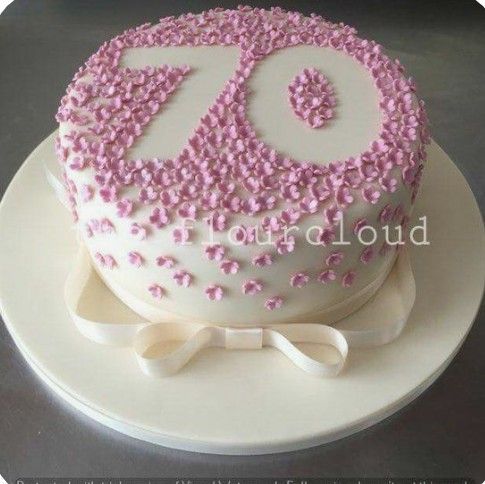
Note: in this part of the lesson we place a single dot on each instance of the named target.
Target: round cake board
(237, 402)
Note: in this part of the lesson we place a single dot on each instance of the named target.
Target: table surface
(442, 43)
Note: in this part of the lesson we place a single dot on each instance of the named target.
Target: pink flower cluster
(312, 97)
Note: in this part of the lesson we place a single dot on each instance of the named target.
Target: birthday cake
(242, 167)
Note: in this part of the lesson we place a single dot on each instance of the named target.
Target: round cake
(242, 167)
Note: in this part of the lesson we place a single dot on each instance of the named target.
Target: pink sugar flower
(135, 259)
(386, 214)
(359, 225)
(262, 260)
(271, 225)
(371, 195)
(124, 207)
(107, 261)
(148, 195)
(273, 303)
(159, 217)
(108, 193)
(348, 278)
(165, 261)
(215, 252)
(290, 216)
(138, 231)
(326, 236)
(344, 197)
(320, 192)
(217, 221)
(327, 276)
(187, 210)
(367, 255)
(334, 258)
(156, 291)
(285, 244)
(180, 235)
(214, 293)
(388, 184)
(251, 287)
(229, 266)
(299, 280)
(87, 193)
(332, 215)
(309, 205)
(105, 226)
(182, 278)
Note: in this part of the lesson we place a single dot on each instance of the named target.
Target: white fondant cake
(225, 167)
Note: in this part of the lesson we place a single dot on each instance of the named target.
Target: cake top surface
(243, 128)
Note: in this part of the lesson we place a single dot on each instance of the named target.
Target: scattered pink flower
(182, 278)
(135, 259)
(156, 291)
(328, 275)
(348, 278)
(229, 266)
(367, 255)
(334, 258)
(215, 252)
(299, 280)
(124, 207)
(165, 261)
(262, 260)
(159, 217)
(214, 293)
(273, 303)
(252, 287)
(138, 231)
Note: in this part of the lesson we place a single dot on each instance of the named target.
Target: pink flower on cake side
(124, 208)
(188, 210)
(138, 231)
(182, 278)
(285, 244)
(326, 236)
(108, 193)
(106, 226)
(214, 293)
(299, 280)
(180, 235)
(229, 266)
(135, 259)
(262, 260)
(367, 255)
(215, 252)
(386, 214)
(359, 225)
(159, 217)
(165, 261)
(107, 261)
(348, 278)
(334, 258)
(327, 276)
(273, 303)
(371, 195)
(251, 287)
(156, 291)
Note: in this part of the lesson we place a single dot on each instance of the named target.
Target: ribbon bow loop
(163, 349)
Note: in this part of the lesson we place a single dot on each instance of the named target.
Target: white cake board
(237, 402)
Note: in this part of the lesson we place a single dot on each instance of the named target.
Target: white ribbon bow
(178, 342)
